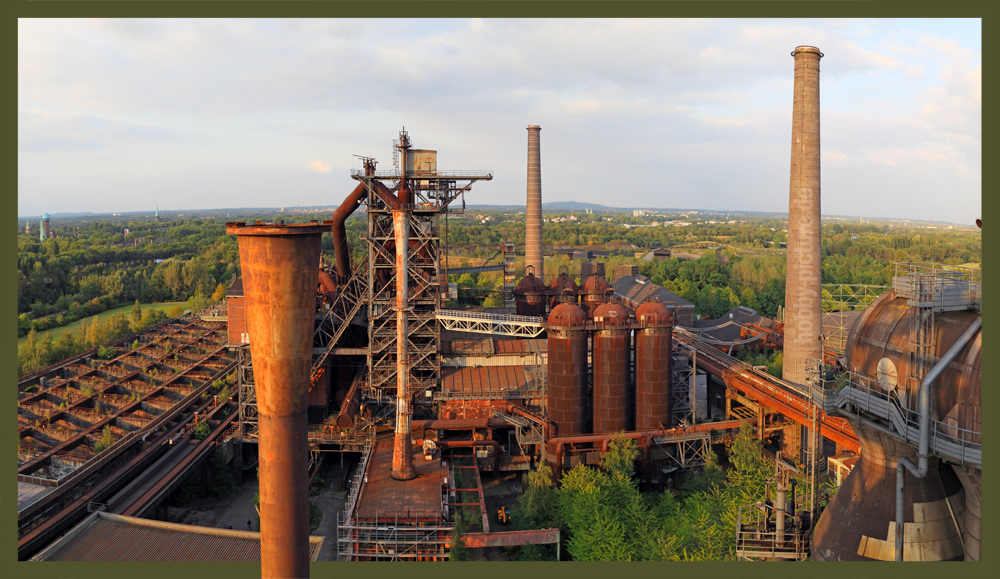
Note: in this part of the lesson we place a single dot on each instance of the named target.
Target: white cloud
(319, 166)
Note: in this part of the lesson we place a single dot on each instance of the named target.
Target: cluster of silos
(618, 403)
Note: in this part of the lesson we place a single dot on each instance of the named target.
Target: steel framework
(497, 324)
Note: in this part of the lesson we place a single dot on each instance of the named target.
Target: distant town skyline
(119, 115)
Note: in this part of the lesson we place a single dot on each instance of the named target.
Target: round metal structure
(611, 368)
(653, 345)
(562, 288)
(279, 264)
(529, 296)
(859, 522)
(566, 399)
(594, 293)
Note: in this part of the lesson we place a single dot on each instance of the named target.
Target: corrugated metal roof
(107, 537)
(521, 346)
(484, 379)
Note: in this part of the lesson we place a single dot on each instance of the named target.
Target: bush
(201, 431)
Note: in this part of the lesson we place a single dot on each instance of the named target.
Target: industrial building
(360, 357)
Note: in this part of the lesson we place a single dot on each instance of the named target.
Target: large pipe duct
(402, 452)
(341, 250)
(279, 264)
(803, 324)
(533, 235)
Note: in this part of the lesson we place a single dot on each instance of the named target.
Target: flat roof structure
(107, 537)
(386, 498)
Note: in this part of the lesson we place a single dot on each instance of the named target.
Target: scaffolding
(842, 303)
(247, 393)
(433, 192)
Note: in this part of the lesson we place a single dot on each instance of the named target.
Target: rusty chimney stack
(803, 324)
(279, 264)
(533, 235)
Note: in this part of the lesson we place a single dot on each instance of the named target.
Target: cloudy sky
(122, 115)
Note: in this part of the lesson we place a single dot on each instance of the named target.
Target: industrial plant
(362, 358)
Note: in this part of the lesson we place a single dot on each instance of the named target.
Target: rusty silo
(529, 295)
(802, 283)
(940, 518)
(566, 400)
(279, 264)
(594, 293)
(562, 288)
(612, 337)
(533, 235)
(653, 344)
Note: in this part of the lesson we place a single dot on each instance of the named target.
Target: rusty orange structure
(279, 264)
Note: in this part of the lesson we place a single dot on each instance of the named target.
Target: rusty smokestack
(533, 234)
(279, 264)
(402, 451)
(803, 325)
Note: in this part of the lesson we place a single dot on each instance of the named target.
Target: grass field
(75, 326)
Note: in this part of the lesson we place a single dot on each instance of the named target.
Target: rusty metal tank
(879, 347)
(279, 265)
(653, 344)
(563, 288)
(529, 295)
(859, 524)
(612, 337)
(566, 399)
(593, 294)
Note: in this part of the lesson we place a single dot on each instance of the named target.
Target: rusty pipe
(351, 404)
(402, 454)
(341, 250)
(279, 264)
(474, 443)
(327, 286)
(459, 424)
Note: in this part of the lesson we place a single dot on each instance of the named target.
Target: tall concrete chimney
(533, 235)
(278, 264)
(803, 299)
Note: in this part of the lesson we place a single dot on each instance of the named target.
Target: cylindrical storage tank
(879, 347)
(562, 288)
(859, 523)
(863, 510)
(279, 264)
(653, 344)
(566, 399)
(529, 295)
(611, 368)
(593, 294)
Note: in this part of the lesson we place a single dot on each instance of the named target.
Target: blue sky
(122, 115)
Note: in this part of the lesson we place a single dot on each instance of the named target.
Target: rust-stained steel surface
(402, 456)
(107, 537)
(484, 379)
(882, 335)
(520, 346)
(385, 497)
(340, 248)
(859, 523)
(529, 296)
(566, 399)
(593, 293)
(653, 345)
(803, 307)
(279, 265)
(510, 538)
(562, 288)
(611, 368)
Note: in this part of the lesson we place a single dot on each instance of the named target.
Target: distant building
(658, 254)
